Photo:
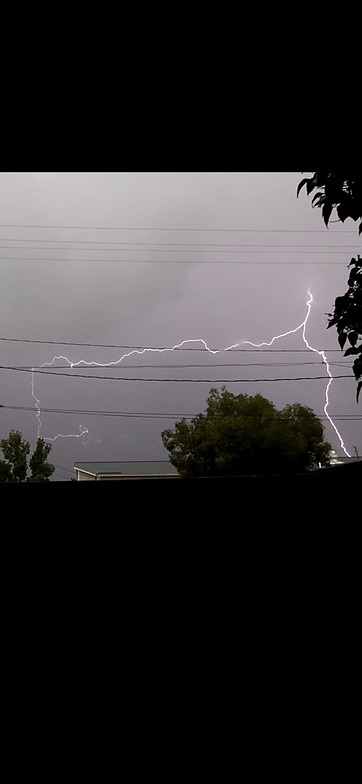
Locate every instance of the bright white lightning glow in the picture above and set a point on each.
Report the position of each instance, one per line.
(303, 326)
(325, 360)
(84, 431)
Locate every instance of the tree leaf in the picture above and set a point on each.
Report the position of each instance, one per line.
(357, 367)
(320, 179)
(319, 202)
(353, 337)
(342, 212)
(338, 307)
(326, 212)
(310, 185)
(359, 387)
(352, 277)
(340, 304)
(301, 184)
(342, 339)
(350, 351)
(333, 322)
(317, 195)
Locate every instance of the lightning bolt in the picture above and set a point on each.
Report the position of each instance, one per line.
(322, 354)
(84, 431)
(325, 360)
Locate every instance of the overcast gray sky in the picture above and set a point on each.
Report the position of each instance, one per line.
(245, 217)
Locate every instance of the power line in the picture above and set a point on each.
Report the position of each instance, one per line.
(81, 412)
(326, 250)
(62, 468)
(174, 367)
(151, 242)
(186, 261)
(163, 228)
(164, 348)
(340, 364)
(174, 380)
(154, 415)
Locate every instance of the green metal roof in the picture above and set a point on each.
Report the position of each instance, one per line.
(129, 468)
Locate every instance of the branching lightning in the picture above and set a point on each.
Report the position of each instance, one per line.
(322, 354)
(325, 360)
(83, 431)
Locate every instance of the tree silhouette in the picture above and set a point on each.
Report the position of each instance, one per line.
(14, 468)
(240, 434)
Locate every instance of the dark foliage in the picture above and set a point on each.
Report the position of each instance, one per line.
(16, 450)
(342, 191)
(241, 434)
(347, 318)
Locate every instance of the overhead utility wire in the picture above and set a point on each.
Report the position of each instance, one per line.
(184, 261)
(167, 228)
(181, 367)
(163, 348)
(315, 248)
(174, 380)
(152, 415)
